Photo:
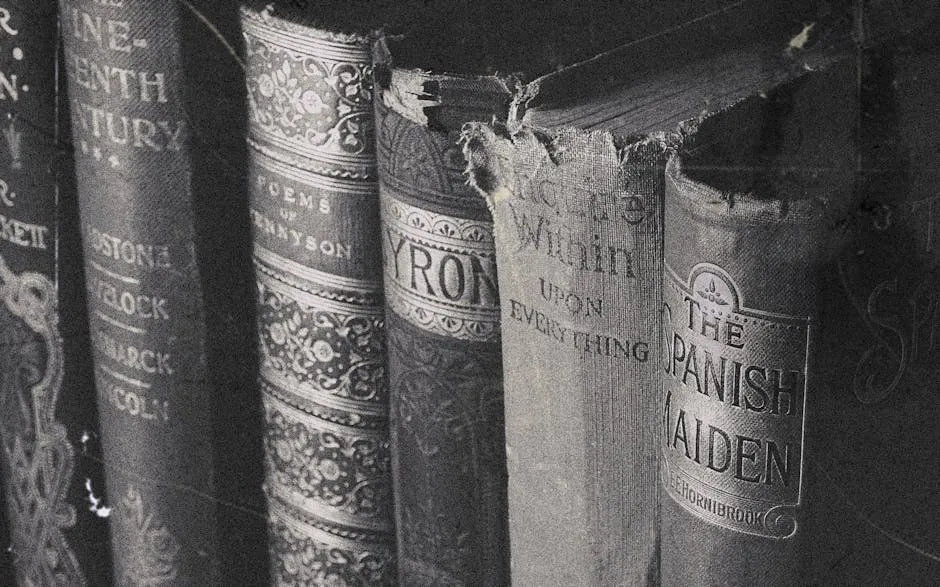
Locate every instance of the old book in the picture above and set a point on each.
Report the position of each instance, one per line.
(575, 184)
(49, 450)
(751, 225)
(800, 292)
(157, 103)
(321, 321)
(443, 338)
(870, 451)
(442, 295)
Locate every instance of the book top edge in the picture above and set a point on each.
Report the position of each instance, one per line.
(724, 207)
(303, 30)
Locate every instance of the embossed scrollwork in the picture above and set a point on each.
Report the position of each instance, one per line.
(155, 548)
(780, 522)
(298, 559)
(346, 472)
(310, 102)
(40, 458)
(341, 354)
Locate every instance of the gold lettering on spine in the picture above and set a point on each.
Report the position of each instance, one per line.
(321, 326)
(9, 82)
(440, 271)
(101, 133)
(734, 392)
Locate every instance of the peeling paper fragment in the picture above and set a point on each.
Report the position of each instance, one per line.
(406, 96)
(799, 41)
(96, 507)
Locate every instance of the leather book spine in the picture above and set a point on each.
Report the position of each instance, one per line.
(155, 93)
(578, 244)
(877, 459)
(750, 240)
(321, 322)
(448, 455)
(49, 451)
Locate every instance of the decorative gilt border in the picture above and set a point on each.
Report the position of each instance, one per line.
(445, 233)
(42, 467)
(310, 97)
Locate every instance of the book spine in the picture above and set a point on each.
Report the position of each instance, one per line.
(578, 243)
(876, 466)
(735, 362)
(321, 322)
(750, 241)
(448, 454)
(157, 161)
(48, 422)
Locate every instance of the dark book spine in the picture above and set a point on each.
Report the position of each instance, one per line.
(48, 422)
(154, 92)
(448, 451)
(876, 457)
(579, 248)
(321, 322)
(735, 362)
(751, 238)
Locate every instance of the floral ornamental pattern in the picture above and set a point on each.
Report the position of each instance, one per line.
(447, 406)
(314, 104)
(712, 295)
(348, 473)
(35, 447)
(476, 233)
(301, 560)
(338, 353)
(155, 549)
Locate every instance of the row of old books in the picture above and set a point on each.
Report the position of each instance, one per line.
(449, 293)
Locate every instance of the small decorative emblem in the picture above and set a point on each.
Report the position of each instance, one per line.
(155, 549)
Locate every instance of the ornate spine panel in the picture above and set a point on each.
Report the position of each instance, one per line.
(321, 323)
(578, 242)
(48, 421)
(445, 371)
(160, 196)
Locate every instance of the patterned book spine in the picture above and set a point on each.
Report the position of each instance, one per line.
(48, 422)
(321, 320)
(578, 243)
(155, 93)
(448, 451)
